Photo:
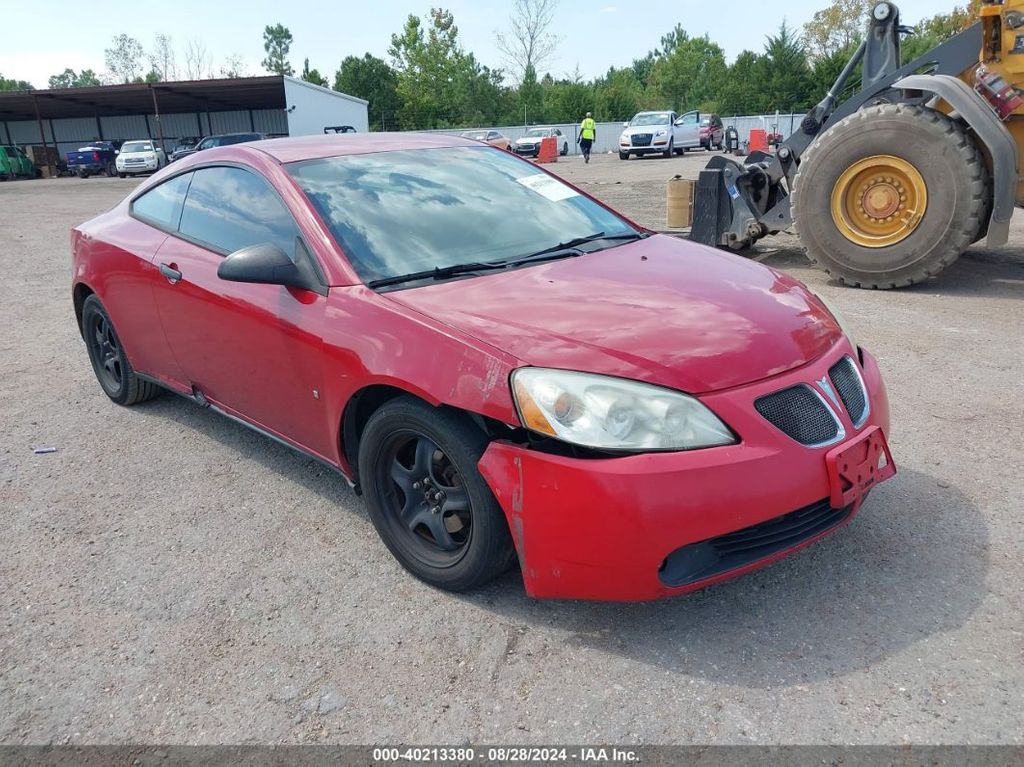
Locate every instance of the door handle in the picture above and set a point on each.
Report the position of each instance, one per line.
(170, 272)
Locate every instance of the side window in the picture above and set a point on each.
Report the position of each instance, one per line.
(230, 208)
(161, 205)
(690, 119)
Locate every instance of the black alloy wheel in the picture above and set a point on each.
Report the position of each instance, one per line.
(428, 501)
(105, 351)
(109, 362)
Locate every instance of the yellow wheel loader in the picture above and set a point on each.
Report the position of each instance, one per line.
(891, 186)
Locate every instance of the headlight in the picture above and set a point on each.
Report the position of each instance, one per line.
(840, 320)
(613, 413)
(661, 133)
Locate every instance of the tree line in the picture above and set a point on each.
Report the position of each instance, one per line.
(430, 80)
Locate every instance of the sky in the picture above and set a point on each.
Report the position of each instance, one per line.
(595, 35)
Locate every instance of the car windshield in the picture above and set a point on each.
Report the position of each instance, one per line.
(137, 146)
(397, 213)
(538, 133)
(478, 135)
(660, 118)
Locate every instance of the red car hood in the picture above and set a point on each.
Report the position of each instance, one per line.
(660, 310)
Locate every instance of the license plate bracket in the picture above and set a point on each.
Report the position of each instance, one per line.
(853, 468)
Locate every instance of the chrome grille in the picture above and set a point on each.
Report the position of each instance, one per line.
(642, 139)
(850, 387)
(801, 414)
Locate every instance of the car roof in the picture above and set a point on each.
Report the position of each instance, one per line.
(316, 147)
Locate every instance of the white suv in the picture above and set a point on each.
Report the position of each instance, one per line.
(662, 133)
(140, 157)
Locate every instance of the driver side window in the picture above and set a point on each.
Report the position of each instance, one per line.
(228, 208)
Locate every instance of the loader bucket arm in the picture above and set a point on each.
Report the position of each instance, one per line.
(757, 198)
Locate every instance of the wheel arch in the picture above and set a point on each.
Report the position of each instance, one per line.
(80, 292)
(364, 402)
(994, 136)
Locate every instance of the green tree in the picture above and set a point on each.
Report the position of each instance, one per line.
(372, 79)
(837, 27)
(429, 63)
(785, 75)
(71, 79)
(14, 85)
(312, 75)
(277, 42)
(619, 95)
(690, 72)
(124, 59)
(567, 102)
(741, 91)
(531, 97)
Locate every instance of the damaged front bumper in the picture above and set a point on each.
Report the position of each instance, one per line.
(653, 525)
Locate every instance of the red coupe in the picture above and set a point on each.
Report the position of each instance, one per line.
(628, 415)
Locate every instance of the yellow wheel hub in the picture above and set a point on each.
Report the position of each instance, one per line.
(879, 201)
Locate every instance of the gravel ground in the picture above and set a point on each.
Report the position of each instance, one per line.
(171, 577)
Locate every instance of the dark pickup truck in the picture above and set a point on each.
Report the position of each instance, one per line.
(93, 159)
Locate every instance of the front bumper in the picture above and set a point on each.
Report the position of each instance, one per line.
(605, 529)
(147, 167)
(526, 150)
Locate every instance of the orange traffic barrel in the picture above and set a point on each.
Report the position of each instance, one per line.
(548, 150)
(758, 140)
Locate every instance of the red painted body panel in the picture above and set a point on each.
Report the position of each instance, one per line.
(661, 310)
(600, 529)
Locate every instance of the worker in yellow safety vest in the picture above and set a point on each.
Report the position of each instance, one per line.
(588, 132)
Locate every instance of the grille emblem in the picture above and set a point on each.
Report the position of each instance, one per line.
(826, 386)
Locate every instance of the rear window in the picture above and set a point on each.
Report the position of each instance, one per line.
(162, 204)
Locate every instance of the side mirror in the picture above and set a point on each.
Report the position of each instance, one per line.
(625, 125)
(267, 264)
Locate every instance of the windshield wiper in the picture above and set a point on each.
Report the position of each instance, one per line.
(563, 249)
(571, 247)
(438, 273)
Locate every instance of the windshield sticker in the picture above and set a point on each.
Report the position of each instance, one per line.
(548, 186)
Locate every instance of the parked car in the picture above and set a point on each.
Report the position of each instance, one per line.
(632, 414)
(528, 145)
(182, 144)
(214, 141)
(712, 132)
(665, 133)
(491, 137)
(339, 129)
(14, 162)
(140, 157)
(94, 159)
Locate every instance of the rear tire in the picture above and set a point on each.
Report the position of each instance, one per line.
(941, 155)
(413, 459)
(109, 361)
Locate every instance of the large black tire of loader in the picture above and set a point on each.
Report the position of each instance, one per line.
(955, 175)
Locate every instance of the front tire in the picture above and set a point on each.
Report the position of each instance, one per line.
(428, 501)
(623, 155)
(890, 196)
(670, 150)
(109, 362)
(111, 169)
